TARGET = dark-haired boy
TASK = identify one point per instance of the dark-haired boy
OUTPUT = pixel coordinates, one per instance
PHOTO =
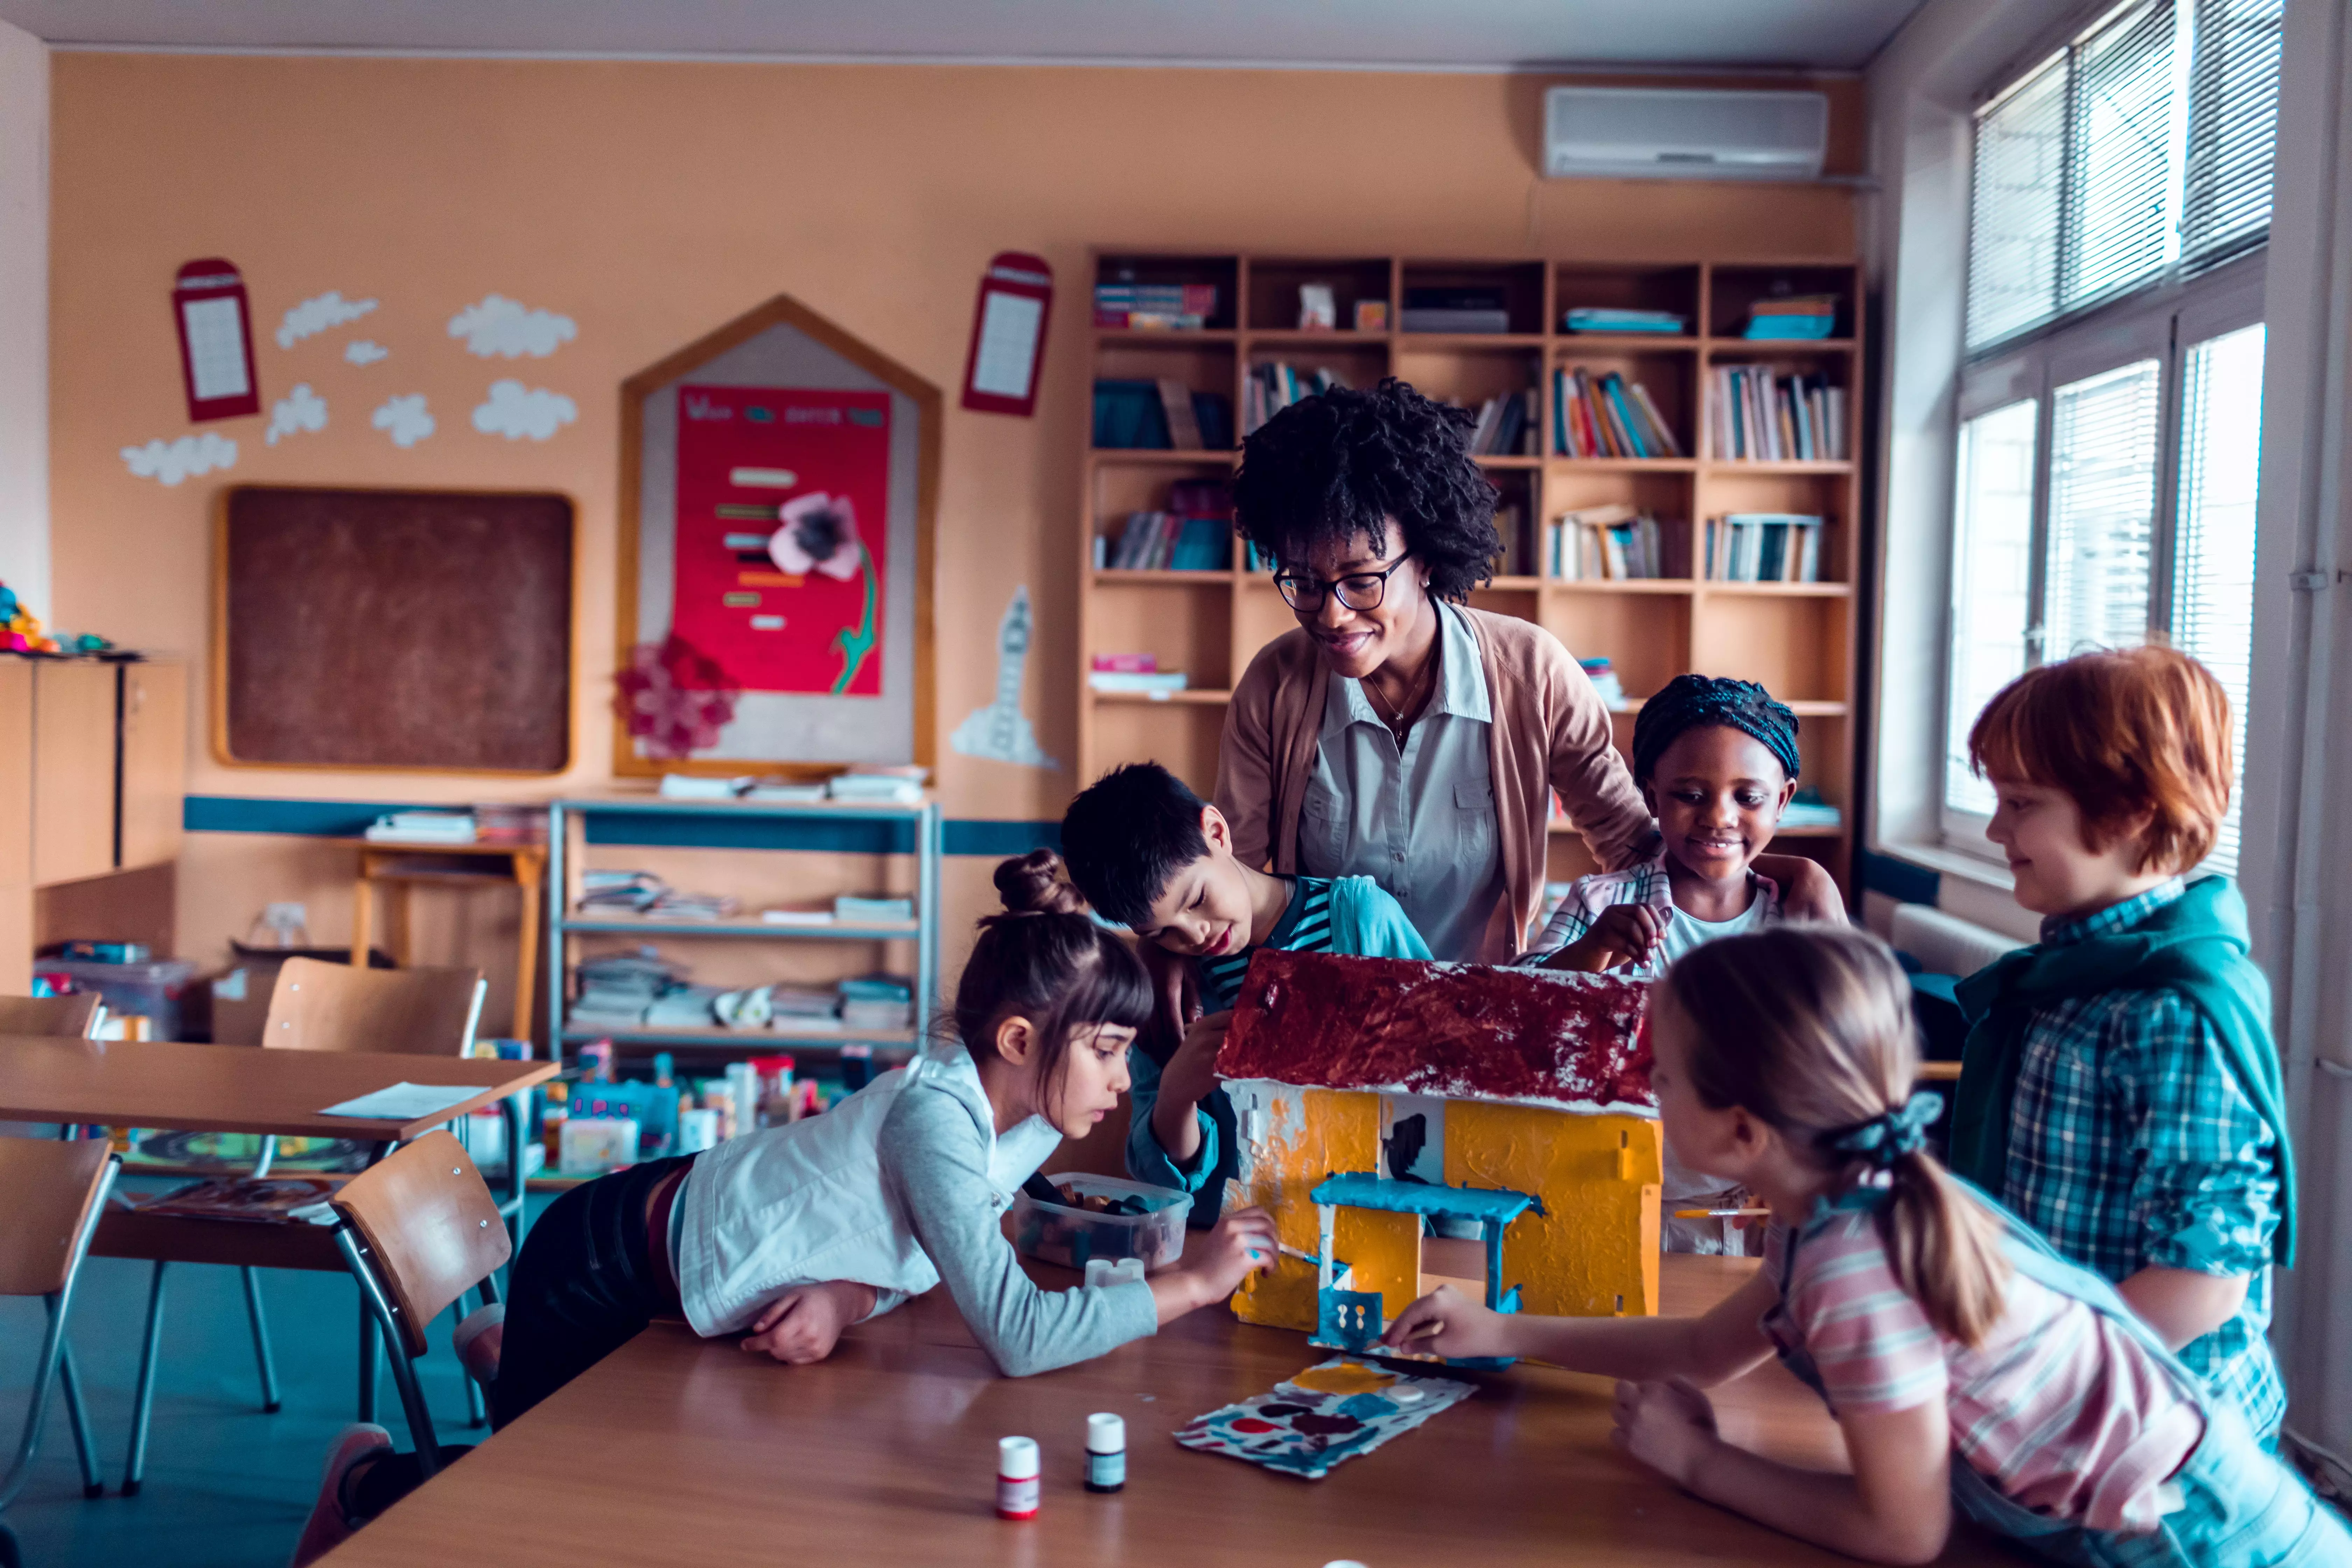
(2121, 1090)
(1150, 854)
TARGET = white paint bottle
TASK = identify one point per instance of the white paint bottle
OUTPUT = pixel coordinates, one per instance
(1016, 1477)
(1105, 1453)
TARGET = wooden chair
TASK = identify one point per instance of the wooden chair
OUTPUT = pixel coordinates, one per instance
(418, 1230)
(70, 1017)
(315, 1006)
(56, 1190)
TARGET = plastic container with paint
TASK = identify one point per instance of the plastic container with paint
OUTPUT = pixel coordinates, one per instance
(1105, 1453)
(1016, 1477)
(1057, 1233)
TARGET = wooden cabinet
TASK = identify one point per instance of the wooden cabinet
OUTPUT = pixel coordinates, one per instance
(16, 773)
(73, 770)
(154, 702)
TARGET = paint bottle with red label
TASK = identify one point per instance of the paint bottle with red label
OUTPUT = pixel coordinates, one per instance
(1016, 1477)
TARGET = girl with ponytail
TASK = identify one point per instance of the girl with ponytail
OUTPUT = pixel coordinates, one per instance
(790, 1235)
(1972, 1368)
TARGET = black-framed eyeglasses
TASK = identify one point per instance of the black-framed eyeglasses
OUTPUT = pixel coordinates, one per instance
(1357, 590)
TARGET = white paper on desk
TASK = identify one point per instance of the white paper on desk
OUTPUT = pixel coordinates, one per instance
(405, 1102)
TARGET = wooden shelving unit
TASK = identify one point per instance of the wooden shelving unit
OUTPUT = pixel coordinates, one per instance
(1798, 638)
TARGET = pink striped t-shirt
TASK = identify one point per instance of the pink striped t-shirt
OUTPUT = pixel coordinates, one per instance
(2060, 1408)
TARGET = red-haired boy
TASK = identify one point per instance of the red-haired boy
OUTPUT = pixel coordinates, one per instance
(2120, 1089)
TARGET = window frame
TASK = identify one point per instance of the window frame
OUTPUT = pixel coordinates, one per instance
(2159, 322)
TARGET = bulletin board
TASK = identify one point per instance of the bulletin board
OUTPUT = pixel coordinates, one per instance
(393, 629)
(777, 511)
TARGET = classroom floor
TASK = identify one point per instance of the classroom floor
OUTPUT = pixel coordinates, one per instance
(227, 1486)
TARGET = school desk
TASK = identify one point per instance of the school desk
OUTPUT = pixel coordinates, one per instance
(676, 1450)
(399, 867)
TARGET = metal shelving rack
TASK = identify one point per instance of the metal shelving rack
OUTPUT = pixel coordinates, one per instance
(563, 923)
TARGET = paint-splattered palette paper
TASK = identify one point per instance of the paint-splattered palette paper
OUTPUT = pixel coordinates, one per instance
(1326, 1413)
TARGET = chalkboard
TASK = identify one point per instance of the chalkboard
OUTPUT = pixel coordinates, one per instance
(359, 628)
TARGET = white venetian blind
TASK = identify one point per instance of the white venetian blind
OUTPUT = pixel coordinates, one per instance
(1993, 552)
(2103, 455)
(2214, 550)
(2021, 168)
(2118, 225)
(2233, 127)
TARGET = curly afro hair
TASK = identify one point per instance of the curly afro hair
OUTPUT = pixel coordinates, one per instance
(1334, 468)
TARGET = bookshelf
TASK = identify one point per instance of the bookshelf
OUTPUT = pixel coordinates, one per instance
(1798, 638)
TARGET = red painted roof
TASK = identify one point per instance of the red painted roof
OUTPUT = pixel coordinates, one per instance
(1459, 1030)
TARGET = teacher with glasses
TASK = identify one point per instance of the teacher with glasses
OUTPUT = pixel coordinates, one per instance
(1398, 733)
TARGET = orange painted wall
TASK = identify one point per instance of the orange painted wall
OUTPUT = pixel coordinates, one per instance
(651, 202)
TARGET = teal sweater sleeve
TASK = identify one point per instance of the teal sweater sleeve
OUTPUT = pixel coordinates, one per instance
(1368, 922)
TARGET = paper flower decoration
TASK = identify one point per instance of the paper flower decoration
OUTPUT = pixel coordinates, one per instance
(819, 534)
(674, 697)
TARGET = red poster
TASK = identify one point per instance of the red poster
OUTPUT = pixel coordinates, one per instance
(784, 536)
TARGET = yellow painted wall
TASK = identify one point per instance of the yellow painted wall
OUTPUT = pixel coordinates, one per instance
(651, 202)
(1593, 1251)
(1305, 1136)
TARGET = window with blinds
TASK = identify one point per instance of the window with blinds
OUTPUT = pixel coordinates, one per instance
(1993, 529)
(2142, 148)
(2103, 454)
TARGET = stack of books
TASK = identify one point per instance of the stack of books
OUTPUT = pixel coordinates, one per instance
(1173, 307)
(1810, 810)
(1133, 672)
(1792, 316)
(1506, 427)
(1602, 544)
(1159, 416)
(877, 1002)
(1762, 417)
(1607, 417)
(886, 910)
(504, 823)
(878, 784)
(1274, 386)
(1166, 541)
(424, 828)
(1609, 689)
(1764, 547)
(1478, 309)
(642, 892)
(616, 989)
(1602, 318)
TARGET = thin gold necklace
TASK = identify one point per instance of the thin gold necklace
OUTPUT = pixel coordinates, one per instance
(1399, 725)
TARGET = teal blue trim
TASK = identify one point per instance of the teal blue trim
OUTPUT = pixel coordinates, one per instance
(1899, 880)
(987, 838)
(1363, 1190)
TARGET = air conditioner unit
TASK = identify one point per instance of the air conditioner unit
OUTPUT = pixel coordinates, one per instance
(1683, 133)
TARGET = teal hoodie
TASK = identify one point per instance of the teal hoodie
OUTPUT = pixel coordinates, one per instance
(2195, 945)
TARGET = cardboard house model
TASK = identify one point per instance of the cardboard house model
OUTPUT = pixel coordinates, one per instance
(1416, 1124)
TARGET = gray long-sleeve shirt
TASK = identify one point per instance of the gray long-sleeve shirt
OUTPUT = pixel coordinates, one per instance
(934, 1160)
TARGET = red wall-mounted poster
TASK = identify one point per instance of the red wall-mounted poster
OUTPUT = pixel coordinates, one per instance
(784, 536)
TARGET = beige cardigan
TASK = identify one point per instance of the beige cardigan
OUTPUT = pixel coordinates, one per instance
(1551, 732)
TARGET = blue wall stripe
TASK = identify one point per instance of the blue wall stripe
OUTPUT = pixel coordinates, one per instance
(1899, 880)
(986, 836)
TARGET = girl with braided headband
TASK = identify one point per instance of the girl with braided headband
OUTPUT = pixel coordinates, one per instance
(1974, 1371)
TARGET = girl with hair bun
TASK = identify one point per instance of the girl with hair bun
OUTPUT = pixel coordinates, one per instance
(1973, 1370)
(789, 1235)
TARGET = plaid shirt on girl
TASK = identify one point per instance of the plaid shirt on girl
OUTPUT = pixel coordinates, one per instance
(1647, 883)
(2132, 1145)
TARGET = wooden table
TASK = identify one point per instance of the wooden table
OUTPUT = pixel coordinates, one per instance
(681, 1450)
(401, 865)
(233, 1089)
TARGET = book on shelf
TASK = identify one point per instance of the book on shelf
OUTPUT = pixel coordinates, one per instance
(423, 826)
(1792, 318)
(1127, 663)
(1606, 417)
(884, 909)
(1476, 308)
(1764, 547)
(1177, 307)
(1274, 386)
(1518, 558)
(1613, 542)
(1166, 541)
(1134, 415)
(1176, 407)
(1610, 320)
(1808, 809)
(1147, 683)
(1506, 426)
(1763, 415)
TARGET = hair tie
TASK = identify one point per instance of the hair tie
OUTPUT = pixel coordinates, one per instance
(1883, 1140)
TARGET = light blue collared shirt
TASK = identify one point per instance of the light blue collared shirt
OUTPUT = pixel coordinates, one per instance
(1419, 822)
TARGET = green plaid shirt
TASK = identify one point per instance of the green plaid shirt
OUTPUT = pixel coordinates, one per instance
(2132, 1145)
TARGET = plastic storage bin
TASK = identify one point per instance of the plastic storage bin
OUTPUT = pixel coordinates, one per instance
(151, 989)
(1056, 1233)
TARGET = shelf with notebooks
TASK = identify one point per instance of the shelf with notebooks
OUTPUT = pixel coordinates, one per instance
(1643, 359)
